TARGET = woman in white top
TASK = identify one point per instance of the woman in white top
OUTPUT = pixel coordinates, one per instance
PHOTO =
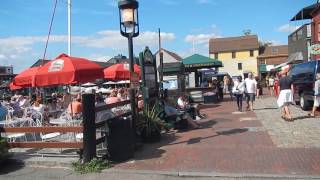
(238, 90)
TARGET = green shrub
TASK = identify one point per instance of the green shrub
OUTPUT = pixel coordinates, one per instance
(94, 166)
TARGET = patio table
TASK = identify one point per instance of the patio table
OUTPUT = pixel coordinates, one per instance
(16, 122)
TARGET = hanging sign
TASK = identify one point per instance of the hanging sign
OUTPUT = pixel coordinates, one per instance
(315, 49)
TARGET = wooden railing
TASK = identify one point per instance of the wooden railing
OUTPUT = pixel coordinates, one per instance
(88, 128)
(44, 129)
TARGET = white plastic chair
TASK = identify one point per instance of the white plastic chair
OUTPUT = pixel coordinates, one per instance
(38, 117)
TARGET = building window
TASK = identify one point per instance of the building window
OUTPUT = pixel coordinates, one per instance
(274, 51)
(216, 56)
(251, 53)
(262, 61)
(294, 37)
(239, 66)
(233, 55)
(299, 34)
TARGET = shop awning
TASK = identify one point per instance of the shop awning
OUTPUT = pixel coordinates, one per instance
(171, 68)
(294, 58)
(305, 13)
(198, 61)
(262, 68)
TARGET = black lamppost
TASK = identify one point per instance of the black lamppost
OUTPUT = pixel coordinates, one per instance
(129, 27)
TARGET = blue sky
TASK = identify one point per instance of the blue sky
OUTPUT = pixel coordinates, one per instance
(95, 26)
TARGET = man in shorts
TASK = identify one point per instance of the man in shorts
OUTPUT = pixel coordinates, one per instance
(316, 103)
(250, 90)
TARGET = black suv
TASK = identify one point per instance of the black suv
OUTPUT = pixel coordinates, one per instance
(304, 76)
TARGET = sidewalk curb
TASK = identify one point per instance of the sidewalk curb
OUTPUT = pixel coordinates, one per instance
(210, 174)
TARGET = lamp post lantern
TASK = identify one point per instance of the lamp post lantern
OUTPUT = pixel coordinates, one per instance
(129, 27)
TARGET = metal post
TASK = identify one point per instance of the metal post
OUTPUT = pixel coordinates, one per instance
(69, 27)
(89, 129)
(132, 91)
(161, 62)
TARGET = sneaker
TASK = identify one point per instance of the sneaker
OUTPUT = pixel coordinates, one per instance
(202, 116)
(198, 118)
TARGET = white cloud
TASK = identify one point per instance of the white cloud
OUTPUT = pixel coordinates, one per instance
(200, 38)
(99, 57)
(287, 28)
(273, 42)
(17, 49)
(113, 39)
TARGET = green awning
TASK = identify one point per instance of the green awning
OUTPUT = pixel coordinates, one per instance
(172, 68)
(199, 61)
(263, 68)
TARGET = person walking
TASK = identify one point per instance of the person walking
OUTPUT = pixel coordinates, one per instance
(238, 90)
(250, 90)
(285, 96)
(316, 103)
(258, 90)
(271, 84)
(276, 85)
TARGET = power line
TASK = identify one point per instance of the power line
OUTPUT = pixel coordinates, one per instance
(50, 27)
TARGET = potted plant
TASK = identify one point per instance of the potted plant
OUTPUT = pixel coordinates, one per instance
(151, 125)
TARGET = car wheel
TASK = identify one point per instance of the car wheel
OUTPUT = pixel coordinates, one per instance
(304, 104)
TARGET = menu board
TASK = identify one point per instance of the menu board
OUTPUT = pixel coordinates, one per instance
(150, 77)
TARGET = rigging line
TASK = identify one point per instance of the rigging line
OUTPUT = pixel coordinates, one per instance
(52, 18)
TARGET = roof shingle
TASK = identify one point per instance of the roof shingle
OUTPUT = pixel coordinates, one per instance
(230, 44)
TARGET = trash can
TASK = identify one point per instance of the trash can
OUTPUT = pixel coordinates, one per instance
(120, 139)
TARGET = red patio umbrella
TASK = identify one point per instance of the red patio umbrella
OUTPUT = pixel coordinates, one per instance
(65, 70)
(120, 72)
(24, 79)
(14, 87)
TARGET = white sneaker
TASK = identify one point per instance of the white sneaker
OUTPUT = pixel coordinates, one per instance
(198, 118)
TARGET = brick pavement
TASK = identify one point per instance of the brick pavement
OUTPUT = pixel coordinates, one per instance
(304, 132)
(231, 142)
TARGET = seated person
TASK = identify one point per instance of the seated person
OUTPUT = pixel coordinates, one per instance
(112, 98)
(171, 111)
(105, 114)
(193, 109)
(75, 108)
(3, 112)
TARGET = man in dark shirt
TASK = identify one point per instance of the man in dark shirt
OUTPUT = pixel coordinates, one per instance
(286, 95)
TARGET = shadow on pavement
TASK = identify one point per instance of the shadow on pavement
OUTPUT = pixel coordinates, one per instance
(10, 165)
(152, 150)
(208, 106)
(266, 108)
(219, 133)
(232, 131)
(301, 118)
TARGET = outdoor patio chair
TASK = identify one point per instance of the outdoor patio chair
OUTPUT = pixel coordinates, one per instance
(38, 118)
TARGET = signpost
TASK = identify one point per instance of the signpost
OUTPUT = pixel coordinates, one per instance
(150, 85)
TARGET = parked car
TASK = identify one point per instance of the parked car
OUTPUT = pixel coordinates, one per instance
(304, 77)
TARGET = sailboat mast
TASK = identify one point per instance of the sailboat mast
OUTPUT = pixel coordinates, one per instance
(69, 27)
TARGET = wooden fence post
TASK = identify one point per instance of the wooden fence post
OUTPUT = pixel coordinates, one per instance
(89, 128)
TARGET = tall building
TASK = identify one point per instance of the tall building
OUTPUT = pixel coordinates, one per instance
(270, 57)
(238, 54)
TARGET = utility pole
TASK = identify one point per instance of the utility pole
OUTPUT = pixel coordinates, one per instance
(69, 27)
(161, 62)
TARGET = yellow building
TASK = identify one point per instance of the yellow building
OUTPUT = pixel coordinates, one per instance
(238, 54)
